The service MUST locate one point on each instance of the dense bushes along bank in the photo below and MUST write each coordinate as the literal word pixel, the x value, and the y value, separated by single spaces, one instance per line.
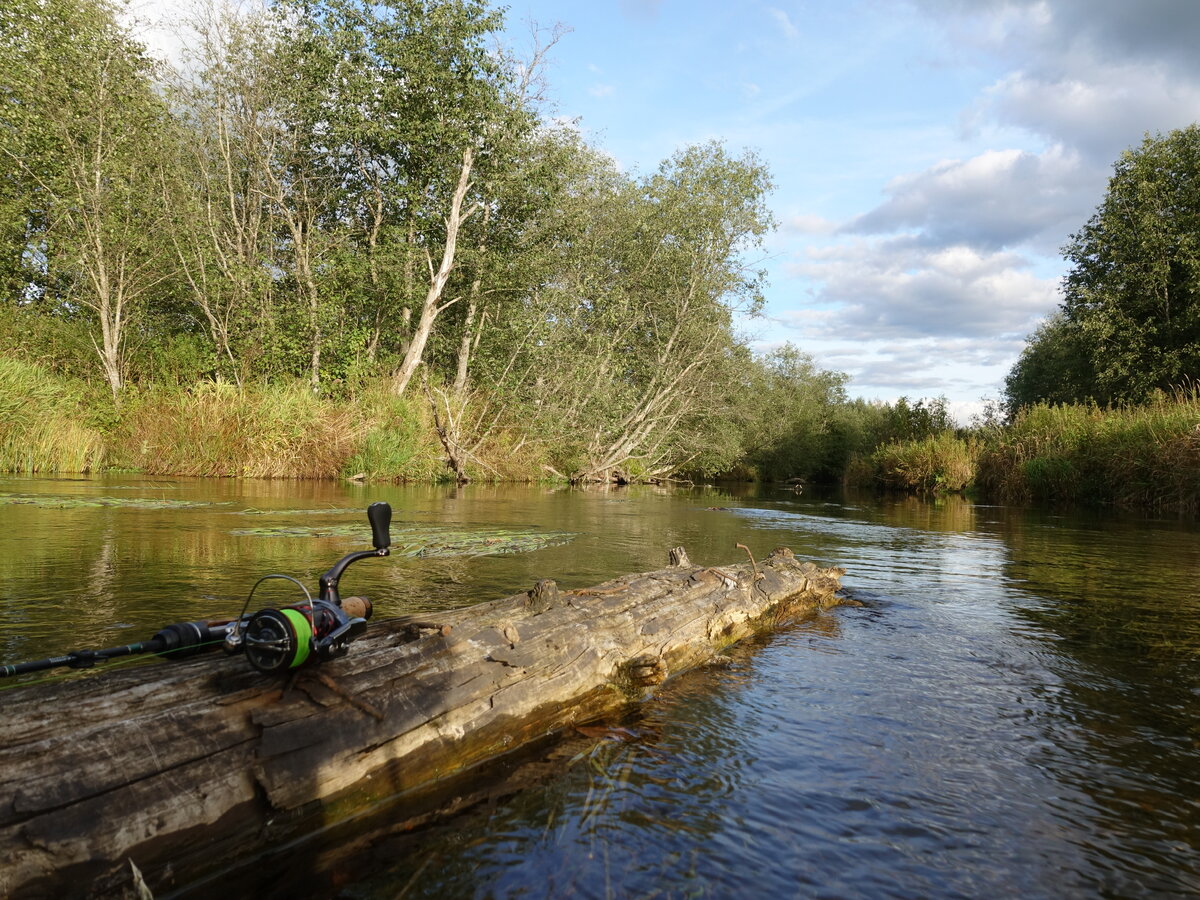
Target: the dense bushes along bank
pixel 1137 457
pixel 784 419
pixel 1145 457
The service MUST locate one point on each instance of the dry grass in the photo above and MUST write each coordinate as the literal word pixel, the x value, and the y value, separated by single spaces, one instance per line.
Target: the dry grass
pixel 214 429
pixel 44 422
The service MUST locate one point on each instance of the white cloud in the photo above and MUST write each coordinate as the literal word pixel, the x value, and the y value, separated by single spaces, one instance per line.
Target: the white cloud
pixel 784 21
pixel 809 224
pixel 1101 114
pixel 601 90
pixel 998 199
pixel 935 287
pixel 899 289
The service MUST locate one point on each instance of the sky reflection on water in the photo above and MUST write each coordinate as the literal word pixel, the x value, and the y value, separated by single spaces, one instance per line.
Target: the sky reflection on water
pixel 1012 711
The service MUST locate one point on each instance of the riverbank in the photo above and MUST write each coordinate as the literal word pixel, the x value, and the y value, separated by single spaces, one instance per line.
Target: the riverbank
pixel 793 422
pixel 1143 457
pixel 1135 457
pixel 50 423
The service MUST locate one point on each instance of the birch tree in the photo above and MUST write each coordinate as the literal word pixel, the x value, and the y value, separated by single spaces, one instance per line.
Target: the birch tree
pixel 225 222
pixel 85 94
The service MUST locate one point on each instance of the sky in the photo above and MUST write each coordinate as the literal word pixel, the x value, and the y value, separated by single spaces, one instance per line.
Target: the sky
pixel 930 157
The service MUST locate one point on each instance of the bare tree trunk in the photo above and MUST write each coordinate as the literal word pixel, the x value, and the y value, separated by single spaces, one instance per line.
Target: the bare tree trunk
pixel 468 338
pixel 433 305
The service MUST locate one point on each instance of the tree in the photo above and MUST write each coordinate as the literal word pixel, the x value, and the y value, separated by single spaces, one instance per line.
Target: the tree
pixel 792 408
pixel 1131 300
pixel 224 225
pixel 1055 367
pixel 85 128
pixel 624 344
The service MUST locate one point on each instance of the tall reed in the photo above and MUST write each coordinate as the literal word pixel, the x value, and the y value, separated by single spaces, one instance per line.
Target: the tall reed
pixel 940 463
pixel 262 431
pixel 44 422
pixel 1139 457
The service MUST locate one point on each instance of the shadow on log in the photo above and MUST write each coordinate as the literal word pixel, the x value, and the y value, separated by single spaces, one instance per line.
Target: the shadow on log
pixel 198 768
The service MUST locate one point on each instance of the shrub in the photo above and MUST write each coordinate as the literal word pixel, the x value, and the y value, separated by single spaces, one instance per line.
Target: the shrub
pixel 936 464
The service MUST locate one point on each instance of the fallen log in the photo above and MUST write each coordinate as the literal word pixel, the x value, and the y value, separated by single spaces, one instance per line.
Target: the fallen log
pixel 191 768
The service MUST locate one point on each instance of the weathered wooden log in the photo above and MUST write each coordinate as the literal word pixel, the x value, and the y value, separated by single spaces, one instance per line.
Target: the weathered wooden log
pixel 189 767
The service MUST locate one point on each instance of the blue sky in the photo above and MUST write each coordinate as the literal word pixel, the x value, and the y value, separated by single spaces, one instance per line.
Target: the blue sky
pixel 931 157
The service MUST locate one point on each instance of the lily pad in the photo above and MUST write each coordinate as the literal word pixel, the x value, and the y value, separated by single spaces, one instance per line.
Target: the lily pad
pixel 432 541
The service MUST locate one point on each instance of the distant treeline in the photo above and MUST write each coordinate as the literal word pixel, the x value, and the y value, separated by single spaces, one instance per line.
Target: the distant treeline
pixel 344 237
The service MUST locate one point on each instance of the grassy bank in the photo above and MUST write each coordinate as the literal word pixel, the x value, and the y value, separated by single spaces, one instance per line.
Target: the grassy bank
pixel 1136 457
pixel 55 424
pixel 1145 457
pixel 48 423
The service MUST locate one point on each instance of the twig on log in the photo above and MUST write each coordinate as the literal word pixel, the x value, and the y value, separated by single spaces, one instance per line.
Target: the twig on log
pixel 360 705
pixel 753 565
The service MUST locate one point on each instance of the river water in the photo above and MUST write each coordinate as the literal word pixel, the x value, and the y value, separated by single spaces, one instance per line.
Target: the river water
pixel 1013 709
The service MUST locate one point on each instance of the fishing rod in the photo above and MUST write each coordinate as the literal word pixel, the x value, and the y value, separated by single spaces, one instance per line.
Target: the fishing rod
pixel 274 639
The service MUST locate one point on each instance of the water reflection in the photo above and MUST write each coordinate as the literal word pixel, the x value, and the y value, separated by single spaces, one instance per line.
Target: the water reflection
pixel 1013 711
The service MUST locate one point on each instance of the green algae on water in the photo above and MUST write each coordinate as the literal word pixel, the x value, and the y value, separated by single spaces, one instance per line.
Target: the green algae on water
pixel 50 501
pixel 431 541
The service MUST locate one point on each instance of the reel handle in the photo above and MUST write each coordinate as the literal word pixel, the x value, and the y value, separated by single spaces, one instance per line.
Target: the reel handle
pixel 379 514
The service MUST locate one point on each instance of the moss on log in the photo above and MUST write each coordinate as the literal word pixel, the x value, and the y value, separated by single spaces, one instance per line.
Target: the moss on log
pixel 190 768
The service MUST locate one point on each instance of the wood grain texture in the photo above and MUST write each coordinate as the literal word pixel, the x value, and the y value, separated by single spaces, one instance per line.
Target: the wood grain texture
pixel 189 767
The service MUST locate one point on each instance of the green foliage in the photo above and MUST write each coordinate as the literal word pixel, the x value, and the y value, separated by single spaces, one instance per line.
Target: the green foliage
pixel 792 417
pixel 1130 318
pixel 398 445
pixel 1055 367
pixel 934 464
pixel 1145 456
pixel 82 133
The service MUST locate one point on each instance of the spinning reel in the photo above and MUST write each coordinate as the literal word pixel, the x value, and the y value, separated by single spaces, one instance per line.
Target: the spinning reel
pixel 276 640
pixel 273 639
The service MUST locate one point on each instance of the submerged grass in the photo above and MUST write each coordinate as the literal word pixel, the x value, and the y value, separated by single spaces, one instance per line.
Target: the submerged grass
pixel 50 501
pixel 427 542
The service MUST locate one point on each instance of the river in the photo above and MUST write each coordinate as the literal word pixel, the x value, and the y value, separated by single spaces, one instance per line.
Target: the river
pixel 1013 709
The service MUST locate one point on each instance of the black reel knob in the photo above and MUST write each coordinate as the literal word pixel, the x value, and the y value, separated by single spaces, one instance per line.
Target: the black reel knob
pixel 277 640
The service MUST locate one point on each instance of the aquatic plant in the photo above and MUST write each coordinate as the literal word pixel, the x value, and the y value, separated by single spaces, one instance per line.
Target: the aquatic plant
pixel 429 541
pixel 53 501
